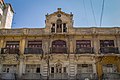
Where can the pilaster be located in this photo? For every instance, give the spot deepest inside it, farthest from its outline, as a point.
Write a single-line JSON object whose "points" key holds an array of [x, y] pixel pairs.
{"points": [[21, 66], [95, 44], [1, 46], [1, 42], [22, 45], [118, 42]]}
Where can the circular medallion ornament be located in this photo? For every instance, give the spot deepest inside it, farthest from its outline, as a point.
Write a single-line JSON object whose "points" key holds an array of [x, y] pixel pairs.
{"points": [[59, 15]]}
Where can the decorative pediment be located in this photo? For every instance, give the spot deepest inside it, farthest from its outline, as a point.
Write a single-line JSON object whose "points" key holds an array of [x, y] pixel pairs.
{"points": [[59, 13], [59, 21]]}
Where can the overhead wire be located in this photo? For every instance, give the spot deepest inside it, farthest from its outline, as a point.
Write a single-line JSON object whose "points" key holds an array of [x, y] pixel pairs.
{"points": [[101, 17], [85, 11], [93, 12]]}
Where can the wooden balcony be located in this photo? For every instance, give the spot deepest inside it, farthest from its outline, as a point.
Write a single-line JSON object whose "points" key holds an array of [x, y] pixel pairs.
{"points": [[10, 51], [58, 50], [111, 76], [85, 50], [107, 50], [87, 76], [33, 51]]}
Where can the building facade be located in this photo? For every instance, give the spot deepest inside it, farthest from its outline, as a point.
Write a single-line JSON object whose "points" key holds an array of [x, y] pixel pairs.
{"points": [[60, 51], [6, 15]]}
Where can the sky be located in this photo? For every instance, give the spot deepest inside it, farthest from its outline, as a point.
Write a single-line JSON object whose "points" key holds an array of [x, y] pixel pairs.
{"points": [[31, 13]]}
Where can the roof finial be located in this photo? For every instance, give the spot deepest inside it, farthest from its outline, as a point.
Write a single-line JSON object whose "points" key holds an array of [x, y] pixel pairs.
{"points": [[59, 9]]}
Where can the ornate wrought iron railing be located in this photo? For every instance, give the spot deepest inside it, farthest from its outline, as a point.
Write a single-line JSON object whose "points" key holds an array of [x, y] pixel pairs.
{"points": [[9, 76], [58, 50], [106, 50], [33, 51], [31, 76], [85, 50], [111, 76], [10, 51], [87, 76], [58, 76]]}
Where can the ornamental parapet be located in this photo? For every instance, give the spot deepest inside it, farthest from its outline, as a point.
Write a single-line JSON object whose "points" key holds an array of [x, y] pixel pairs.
{"points": [[97, 31], [22, 31], [44, 31]]}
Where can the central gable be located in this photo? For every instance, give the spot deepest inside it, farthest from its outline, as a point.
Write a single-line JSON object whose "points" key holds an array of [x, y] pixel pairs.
{"points": [[59, 19]]}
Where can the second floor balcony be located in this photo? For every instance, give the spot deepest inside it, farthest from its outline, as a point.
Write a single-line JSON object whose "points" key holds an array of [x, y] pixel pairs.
{"points": [[8, 76], [111, 76], [87, 76], [58, 50], [33, 51], [31, 76], [61, 76], [10, 51], [84, 50], [107, 50]]}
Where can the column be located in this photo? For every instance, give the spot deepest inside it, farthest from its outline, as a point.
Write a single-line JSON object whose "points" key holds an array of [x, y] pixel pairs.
{"points": [[95, 44], [118, 42], [0, 67], [1, 43], [62, 28], [21, 57], [55, 28], [45, 46], [1, 46], [70, 44], [94, 68], [21, 68], [22, 45], [0, 64]]}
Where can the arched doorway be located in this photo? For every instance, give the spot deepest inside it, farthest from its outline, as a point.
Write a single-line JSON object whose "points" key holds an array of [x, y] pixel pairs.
{"points": [[59, 46], [58, 68], [58, 71]]}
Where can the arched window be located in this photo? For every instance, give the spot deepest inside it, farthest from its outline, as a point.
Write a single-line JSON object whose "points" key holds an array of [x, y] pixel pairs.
{"points": [[64, 27], [53, 28], [59, 46], [59, 25]]}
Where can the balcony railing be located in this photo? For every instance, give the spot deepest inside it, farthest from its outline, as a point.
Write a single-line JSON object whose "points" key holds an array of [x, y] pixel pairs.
{"points": [[106, 50], [8, 76], [61, 76], [33, 51], [84, 50], [59, 50], [10, 51], [87, 76], [31, 76], [111, 76]]}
